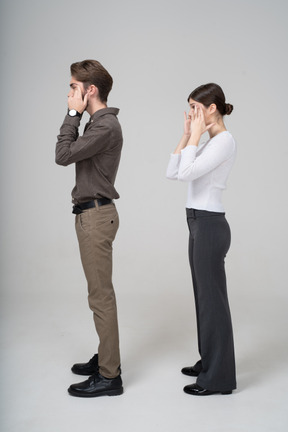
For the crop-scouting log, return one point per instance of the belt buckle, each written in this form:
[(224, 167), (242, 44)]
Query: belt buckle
[(76, 209)]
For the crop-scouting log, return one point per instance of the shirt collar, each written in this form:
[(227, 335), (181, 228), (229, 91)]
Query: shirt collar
[(104, 111)]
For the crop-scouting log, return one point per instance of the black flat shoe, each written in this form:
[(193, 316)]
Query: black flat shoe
[(196, 390), (190, 371), (89, 368), (97, 385)]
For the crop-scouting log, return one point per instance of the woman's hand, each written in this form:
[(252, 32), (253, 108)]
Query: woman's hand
[(187, 123), (198, 125), (186, 135)]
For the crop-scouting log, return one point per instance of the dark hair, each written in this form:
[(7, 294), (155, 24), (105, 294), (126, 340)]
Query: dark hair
[(92, 72), (211, 93)]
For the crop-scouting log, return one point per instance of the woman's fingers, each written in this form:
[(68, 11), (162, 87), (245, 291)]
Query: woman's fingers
[(187, 123), (201, 114), (209, 126), (187, 116)]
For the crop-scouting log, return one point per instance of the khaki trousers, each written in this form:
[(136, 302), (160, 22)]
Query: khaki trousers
[(96, 229)]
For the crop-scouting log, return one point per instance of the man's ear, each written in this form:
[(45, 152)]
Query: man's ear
[(93, 91)]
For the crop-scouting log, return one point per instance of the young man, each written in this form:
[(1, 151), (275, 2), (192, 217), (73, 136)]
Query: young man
[(96, 155)]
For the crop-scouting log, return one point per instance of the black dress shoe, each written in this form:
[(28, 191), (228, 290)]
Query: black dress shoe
[(97, 385), (86, 368), (193, 370), (189, 370), (196, 390)]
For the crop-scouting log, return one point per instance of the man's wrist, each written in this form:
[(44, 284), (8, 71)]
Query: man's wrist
[(74, 113)]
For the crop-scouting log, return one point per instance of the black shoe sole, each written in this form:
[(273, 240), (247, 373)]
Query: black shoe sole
[(116, 392), (84, 373), (208, 393), (193, 374)]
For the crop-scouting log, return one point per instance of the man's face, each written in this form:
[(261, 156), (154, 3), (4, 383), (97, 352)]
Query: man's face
[(76, 85)]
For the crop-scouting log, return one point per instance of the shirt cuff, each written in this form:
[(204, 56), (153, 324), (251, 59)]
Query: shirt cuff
[(189, 151), (73, 121), (175, 156)]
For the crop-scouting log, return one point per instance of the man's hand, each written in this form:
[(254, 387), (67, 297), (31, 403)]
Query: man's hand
[(77, 101)]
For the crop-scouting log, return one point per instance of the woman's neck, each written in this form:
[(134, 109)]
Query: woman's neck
[(217, 128)]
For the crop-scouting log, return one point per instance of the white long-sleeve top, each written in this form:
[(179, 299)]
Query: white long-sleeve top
[(206, 168)]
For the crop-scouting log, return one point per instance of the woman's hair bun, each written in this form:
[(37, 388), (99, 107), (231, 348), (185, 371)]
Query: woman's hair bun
[(228, 109)]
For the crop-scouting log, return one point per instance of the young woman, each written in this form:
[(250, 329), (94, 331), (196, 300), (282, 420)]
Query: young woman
[(206, 168)]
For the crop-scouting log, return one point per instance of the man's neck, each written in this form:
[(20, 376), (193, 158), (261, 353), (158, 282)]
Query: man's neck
[(95, 105)]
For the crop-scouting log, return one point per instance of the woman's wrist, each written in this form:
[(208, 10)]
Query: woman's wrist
[(182, 144), (194, 139)]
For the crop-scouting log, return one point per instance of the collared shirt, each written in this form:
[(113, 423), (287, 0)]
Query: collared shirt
[(206, 169), (96, 154)]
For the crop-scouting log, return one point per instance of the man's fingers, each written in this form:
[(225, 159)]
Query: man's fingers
[(85, 99), (77, 92)]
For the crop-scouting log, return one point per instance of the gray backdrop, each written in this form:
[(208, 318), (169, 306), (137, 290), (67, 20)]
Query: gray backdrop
[(157, 52)]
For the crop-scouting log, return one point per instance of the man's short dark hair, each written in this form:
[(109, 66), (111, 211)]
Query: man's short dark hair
[(92, 72)]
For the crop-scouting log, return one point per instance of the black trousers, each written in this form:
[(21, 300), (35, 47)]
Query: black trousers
[(209, 242)]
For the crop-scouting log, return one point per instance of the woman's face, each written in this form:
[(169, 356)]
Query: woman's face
[(210, 113), (193, 104)]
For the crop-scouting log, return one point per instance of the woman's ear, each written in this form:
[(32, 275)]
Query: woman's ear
[(212, 109)]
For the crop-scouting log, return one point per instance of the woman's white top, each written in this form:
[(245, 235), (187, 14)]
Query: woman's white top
[(206, 168)]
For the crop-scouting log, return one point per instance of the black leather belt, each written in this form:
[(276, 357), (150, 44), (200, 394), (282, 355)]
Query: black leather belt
[(195, 214), (78, 208)]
